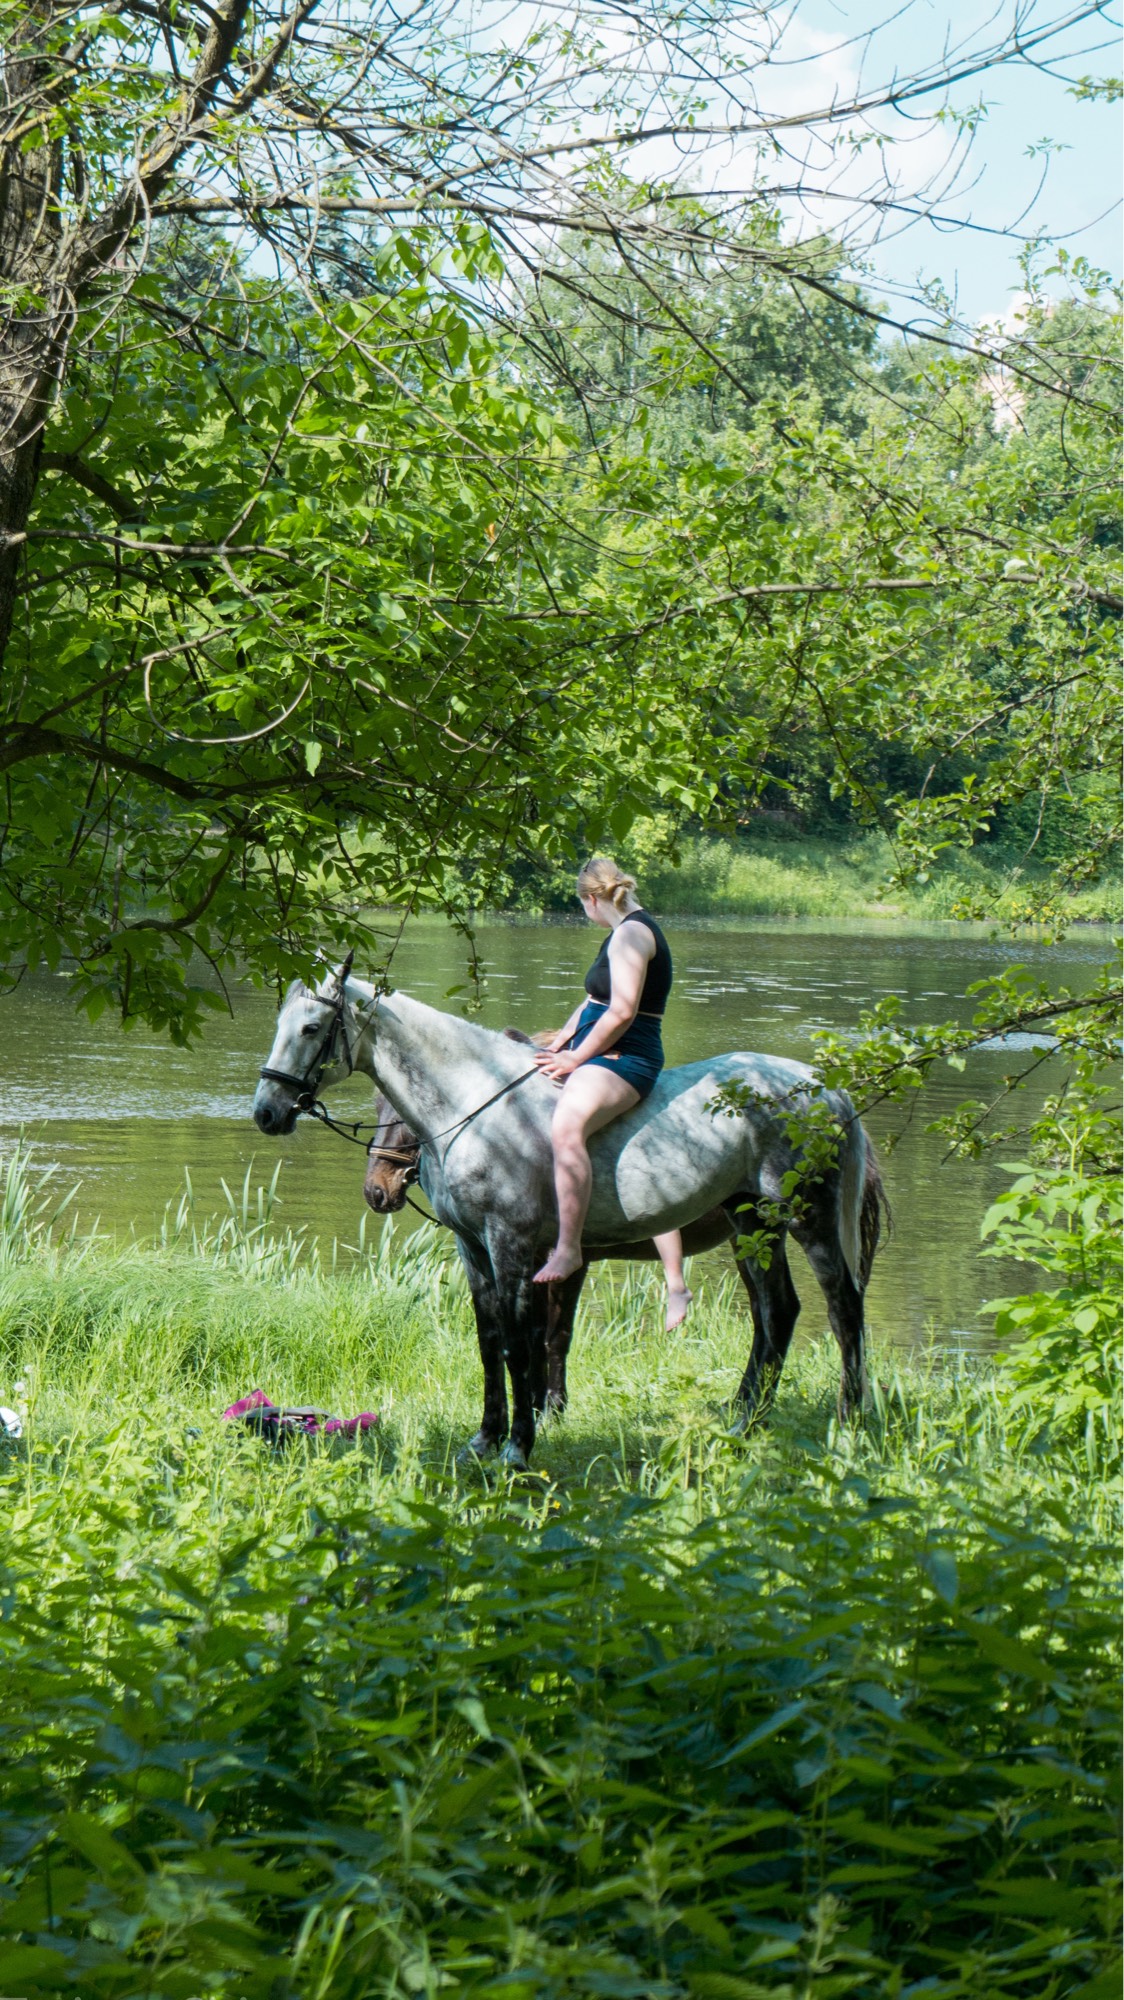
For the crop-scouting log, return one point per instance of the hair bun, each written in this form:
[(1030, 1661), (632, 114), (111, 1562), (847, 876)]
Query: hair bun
[(602, 878)]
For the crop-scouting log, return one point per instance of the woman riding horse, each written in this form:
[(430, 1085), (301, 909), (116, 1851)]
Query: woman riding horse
[(606, 1060)]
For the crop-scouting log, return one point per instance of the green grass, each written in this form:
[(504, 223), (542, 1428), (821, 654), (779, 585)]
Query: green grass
[(762, 876), (831, 1714)]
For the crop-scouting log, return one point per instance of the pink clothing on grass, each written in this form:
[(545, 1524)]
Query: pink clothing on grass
[(309, 1421)]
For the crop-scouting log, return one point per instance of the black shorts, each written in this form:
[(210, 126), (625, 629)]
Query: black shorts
[(637, 1058)]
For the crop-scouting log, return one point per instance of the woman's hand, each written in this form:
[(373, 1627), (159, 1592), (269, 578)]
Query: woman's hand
[(558, 1064)]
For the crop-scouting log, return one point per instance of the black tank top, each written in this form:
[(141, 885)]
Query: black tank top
[(657, 981)]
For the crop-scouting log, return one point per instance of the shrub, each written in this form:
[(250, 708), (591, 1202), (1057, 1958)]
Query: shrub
[(1062, 1359)]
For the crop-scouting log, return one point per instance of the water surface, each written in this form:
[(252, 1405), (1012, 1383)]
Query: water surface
[(124, 1113)]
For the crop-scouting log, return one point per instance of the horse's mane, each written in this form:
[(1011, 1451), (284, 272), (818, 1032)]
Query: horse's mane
[(489, 1038)]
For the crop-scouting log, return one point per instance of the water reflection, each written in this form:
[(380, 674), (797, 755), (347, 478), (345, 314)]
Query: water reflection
[(125, 1113)]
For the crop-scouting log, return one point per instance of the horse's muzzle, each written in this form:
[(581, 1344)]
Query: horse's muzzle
[(387, 1200), (270, 1116)]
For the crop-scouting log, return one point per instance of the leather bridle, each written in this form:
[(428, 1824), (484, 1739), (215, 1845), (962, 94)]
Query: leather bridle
[(307, 1086), (399, 1156)]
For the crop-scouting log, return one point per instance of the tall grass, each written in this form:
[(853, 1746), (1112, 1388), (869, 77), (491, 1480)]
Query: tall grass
[(758, 876), (828, 1715)]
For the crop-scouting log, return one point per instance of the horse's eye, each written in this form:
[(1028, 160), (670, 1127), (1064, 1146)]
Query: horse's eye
[(310, 1029)]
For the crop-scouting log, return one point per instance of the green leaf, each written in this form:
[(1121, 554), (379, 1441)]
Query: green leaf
[(1011, 1654), (473, 1711), (91, 1838), (940, 1568)]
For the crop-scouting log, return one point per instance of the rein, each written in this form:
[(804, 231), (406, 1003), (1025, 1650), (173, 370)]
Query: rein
[(315, 1108), (493, 1099)]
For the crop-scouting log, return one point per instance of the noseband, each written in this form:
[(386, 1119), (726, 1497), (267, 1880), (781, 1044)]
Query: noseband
[(399, 1156)]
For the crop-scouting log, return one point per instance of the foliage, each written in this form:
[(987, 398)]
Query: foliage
[(342, 488), (1063, 1358), (684, 360), (384, 578), (888, 1059), (636, 1744), (905, 621), (776, 869), (28, 1208), (820, 1717)]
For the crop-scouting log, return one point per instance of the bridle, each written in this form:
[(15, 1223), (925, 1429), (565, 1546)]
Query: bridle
[(307, 1086), (400, 1156), (406, 1157)]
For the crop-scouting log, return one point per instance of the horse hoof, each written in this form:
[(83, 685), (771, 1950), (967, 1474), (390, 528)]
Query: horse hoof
[(743, 1418), (475, 1451), (513, 1457)]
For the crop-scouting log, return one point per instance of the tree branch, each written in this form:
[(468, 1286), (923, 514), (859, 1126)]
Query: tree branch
[(95, 482)]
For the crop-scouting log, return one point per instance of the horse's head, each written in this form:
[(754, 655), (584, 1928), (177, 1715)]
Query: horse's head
[(311, 1049), (393, 1159)]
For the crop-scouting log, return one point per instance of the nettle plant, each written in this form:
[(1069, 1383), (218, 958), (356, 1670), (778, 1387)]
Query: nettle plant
[(1063, 1214)]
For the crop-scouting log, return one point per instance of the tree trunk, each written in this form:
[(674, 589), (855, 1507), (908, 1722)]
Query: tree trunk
[(37, 315), (44, 264)]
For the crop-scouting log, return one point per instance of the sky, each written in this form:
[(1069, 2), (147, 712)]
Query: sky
[(826, 51), (1078, 202), (820, 52)]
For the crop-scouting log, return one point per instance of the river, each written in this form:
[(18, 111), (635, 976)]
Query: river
[(123, 1114)]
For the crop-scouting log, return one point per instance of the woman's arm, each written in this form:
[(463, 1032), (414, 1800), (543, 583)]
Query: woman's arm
[(629, 955)]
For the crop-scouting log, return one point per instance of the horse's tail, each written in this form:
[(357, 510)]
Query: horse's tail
[(874, 1211), (852, 1183), (863, 1203)]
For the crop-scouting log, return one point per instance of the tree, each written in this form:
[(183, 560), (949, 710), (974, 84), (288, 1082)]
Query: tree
[(290, 612), (912, 602)]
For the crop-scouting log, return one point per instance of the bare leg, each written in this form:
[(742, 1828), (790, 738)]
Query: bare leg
[(590, 1098), (670, 1247)]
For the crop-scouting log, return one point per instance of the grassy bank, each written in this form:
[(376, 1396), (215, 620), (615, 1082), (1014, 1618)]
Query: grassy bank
[(769, 876), (829, 1714)]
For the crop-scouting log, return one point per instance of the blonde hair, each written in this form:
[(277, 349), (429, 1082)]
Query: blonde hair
[(602, 878)]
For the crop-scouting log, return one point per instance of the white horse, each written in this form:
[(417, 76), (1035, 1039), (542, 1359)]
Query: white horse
[(483, 1114)]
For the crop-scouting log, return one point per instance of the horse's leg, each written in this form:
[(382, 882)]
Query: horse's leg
[(523, 1309), (489, 1336), (539, 1376), (562, 1308), (817, 1233), (775, 1308)]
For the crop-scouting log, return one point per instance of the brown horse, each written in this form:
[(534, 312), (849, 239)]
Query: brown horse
[(393, 1159)]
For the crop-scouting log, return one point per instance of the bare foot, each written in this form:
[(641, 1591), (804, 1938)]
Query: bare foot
[(560, 1264), (678, 1306)]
